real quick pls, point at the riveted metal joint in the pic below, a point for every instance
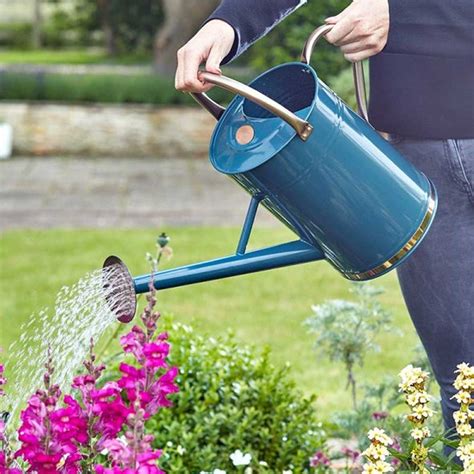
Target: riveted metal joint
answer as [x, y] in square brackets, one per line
[306, 132]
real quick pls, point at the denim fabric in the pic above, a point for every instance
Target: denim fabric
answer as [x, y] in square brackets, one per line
[437, 281]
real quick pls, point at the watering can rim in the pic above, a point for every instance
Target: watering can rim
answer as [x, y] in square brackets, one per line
[278, 122]
[128, 299]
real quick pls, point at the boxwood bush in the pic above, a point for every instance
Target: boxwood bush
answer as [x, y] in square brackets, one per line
[231, 397]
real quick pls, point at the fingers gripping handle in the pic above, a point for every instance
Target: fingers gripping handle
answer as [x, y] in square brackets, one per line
[302, 127]
[357, 67]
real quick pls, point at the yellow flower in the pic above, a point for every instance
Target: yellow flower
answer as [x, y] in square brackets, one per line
[466, 455]
[417, 398]
[464, 430]
[420, 413]
[419, 434]
[379, 435]
[463, 397]
[462, 383]
[465, 370]
[376, 452]
[377, 468]
[412, 377]
[460, 417]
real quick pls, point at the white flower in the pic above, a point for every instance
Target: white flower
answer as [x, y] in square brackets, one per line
[461, 417]
[218, 471]
[289, 471]
[377, 468]
[412, 376]
[180, 450]
[463, 397]
[464, 430]
[240, 459]
[376, 452]
[419, 434]
[377, 434]
[263, 463]
[417, 398]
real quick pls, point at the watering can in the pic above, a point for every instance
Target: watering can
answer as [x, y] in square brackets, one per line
[316, 165]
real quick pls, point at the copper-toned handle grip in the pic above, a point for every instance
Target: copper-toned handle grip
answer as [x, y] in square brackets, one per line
[357, 68]
[302, 127]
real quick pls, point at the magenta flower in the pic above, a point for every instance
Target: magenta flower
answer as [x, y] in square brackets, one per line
[51, 435]
[3, 380]
[66, 435]
[319, 459]
[133, 342]
[351, 454]
[379, 415]
[156, 354]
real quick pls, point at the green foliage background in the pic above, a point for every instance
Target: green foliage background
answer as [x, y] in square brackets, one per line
[232, 397]
[286, 41]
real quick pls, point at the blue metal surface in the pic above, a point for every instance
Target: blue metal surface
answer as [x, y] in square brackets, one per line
[290, 253]
[345, 190]
[248, 224]
[349, 196]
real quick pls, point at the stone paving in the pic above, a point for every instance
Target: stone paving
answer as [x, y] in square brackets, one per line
[120, 193]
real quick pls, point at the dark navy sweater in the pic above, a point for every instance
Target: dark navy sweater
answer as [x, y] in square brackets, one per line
[421, 84]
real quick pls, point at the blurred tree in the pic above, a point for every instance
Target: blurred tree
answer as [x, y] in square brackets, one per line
[107, 27]
[286, 41]
[182, 19]
[37, 21]
[124, 26]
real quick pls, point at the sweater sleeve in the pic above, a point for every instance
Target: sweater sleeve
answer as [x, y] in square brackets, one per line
[252, 19]
[431, 27]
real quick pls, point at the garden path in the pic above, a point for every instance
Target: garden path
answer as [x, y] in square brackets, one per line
[120, 193]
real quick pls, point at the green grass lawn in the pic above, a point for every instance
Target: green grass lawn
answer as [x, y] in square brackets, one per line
[266, 308]
[68, 56]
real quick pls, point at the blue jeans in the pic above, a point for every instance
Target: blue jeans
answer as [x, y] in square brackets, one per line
[437, 281]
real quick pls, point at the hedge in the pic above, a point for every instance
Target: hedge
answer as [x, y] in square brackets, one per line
[92, 88]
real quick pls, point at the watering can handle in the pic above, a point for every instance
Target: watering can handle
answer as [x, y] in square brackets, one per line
[357, 67]
[302, 127]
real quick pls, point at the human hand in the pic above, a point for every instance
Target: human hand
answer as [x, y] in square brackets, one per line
[211, 43]
[361, 30]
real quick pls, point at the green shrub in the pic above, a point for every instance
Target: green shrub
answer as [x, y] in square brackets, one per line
[15, 35]
[286, 41]
[230, 398]
[92, 88]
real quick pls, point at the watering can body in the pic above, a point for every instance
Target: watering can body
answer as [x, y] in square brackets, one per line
[320, 168]
[344, 190]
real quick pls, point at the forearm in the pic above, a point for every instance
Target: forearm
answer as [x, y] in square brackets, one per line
[252, 19]
[431, 27]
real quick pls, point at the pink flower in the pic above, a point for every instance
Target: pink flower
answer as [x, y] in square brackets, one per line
[379, 415]
[3, 380]
[160, 390]
[156, 354]
[133, 342]
[351, 454]
[319, 459]
[50, 435]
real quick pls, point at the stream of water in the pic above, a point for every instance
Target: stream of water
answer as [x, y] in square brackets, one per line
[81, 312]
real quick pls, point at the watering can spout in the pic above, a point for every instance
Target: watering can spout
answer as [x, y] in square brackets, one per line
[121, 288]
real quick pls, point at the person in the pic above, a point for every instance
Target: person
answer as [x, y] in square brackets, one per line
[422, 94]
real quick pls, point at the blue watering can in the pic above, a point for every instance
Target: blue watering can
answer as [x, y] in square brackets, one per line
[316, 165]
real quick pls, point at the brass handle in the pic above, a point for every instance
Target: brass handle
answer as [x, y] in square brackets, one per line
[357, 68]
[302, 127]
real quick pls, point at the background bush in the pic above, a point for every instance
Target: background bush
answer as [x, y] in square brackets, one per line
[286, 41]
[92, 88]
[231, 397]
[113, 88]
